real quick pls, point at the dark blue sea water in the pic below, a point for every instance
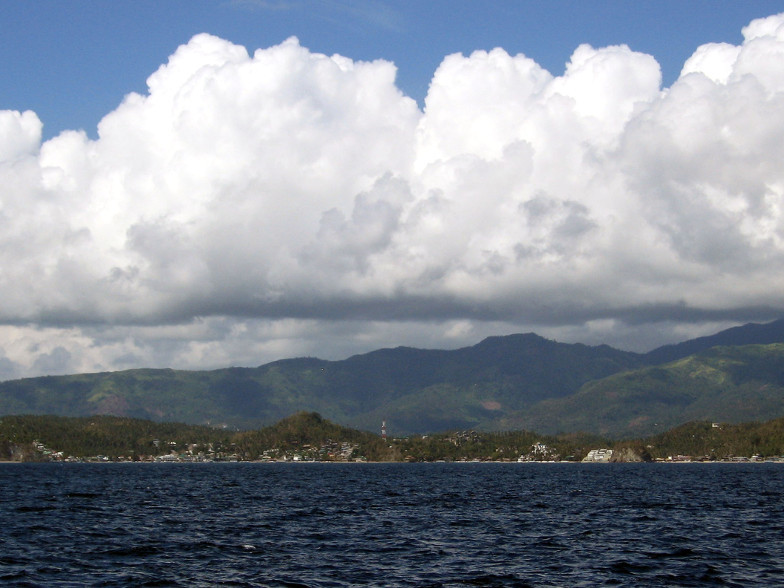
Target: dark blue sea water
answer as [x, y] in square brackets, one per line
[511, 524]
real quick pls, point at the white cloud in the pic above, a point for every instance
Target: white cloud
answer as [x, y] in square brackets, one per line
[266, 205]
[20, 134]
[714, 60]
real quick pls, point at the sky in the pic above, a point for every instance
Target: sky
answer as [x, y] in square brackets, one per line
[202, 184]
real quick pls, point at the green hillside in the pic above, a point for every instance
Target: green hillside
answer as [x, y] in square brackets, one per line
[503, 383]
[727, 384]
[414, 390]
[719, 440]
[99, 435]
[309, 437]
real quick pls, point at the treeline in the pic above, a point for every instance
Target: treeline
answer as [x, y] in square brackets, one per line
[28, 438]
[100, 435]
[304, 434]
[718, 440]
[309, 433]
[496, 446]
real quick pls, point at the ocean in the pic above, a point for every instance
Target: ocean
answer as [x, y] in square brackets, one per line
[315, 524]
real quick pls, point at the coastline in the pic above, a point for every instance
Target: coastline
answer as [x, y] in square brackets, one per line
[414, 463]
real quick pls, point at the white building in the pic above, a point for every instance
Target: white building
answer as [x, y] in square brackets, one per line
[599, 455]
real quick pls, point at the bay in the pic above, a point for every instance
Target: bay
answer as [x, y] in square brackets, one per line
[490, 524]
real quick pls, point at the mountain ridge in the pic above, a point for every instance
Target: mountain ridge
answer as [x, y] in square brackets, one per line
[502, 382]
[748, 334]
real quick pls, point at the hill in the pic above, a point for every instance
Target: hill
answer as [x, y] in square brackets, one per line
[727, 384]
[502, 383]
[414, 390]
[42, 437]
[748, 334]
[708, 440]
[309, 437]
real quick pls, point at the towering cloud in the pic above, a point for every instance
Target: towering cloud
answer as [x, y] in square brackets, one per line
[248, 204]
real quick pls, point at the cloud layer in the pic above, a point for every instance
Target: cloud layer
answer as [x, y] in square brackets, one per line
[286, 203]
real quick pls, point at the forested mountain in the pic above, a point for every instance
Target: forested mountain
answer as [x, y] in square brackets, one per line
[502, 383]
[726, 384]
[414, 390]
[749, 334]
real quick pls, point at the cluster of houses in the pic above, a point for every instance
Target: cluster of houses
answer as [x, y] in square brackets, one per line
[540, 452]
[461, 437]
[193, 453]
[345, 451]
[730, 459]
[329, 451]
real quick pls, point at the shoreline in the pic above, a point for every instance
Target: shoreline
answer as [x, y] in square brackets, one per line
[517, 463]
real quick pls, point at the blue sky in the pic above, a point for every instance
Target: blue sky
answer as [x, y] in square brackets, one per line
[72, 62]
[184, 185]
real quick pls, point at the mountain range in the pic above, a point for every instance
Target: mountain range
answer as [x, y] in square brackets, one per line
[502, 383]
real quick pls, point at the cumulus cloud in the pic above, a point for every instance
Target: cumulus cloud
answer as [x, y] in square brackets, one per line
[257, 206]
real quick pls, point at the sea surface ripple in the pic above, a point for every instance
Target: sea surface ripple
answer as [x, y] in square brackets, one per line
[448, 525]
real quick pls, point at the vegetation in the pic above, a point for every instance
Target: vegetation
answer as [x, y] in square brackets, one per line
[309, 437]
[419, 390]
[312, 437]
[108, 436]
[720, 440]
[727, 384]
[517, 382]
